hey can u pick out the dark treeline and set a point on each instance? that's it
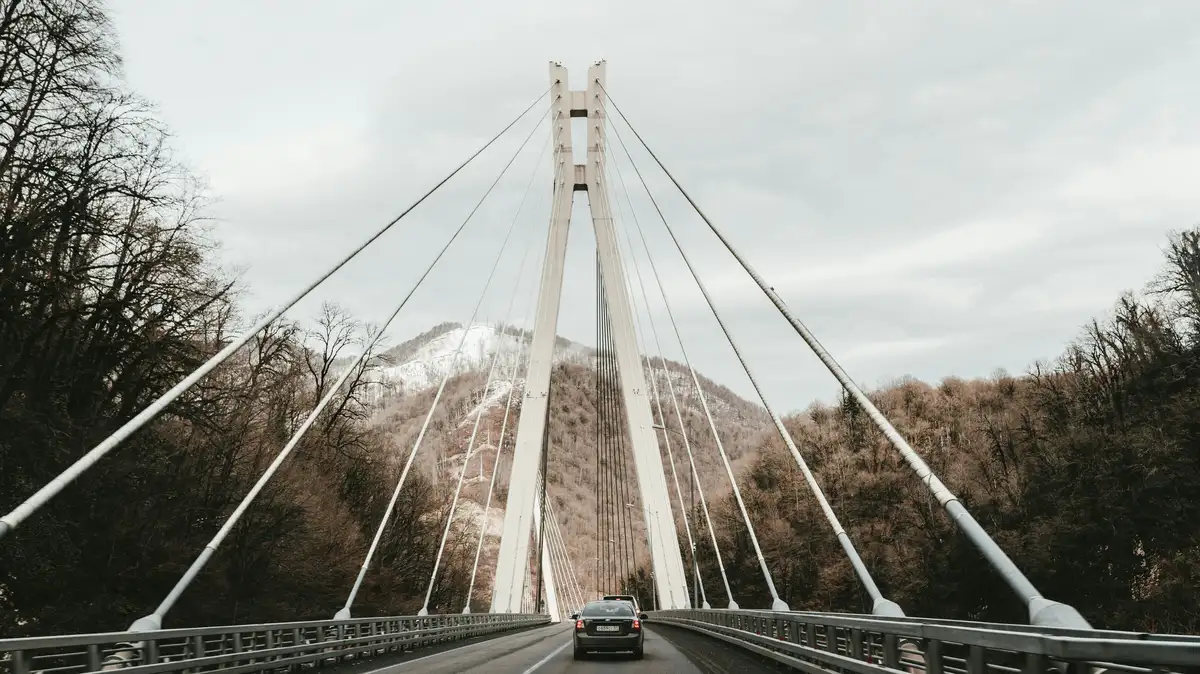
(108, 297)
(1086, 471)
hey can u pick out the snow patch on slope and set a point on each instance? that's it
(431, 362)
(426, 366)
(497, 396)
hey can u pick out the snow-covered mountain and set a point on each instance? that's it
(459, 350)
(404, 392)
(422, 362)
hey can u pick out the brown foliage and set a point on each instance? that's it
(1086, 472)
(107, 299)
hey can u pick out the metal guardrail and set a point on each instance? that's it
(846, 643)
(248, 648)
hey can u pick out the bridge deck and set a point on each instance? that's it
(547, 650)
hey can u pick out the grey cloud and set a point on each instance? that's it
(1026, 157)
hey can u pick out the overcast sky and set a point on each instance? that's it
(936, 188)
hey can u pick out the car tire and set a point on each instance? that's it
(579, 654)
(639, 653)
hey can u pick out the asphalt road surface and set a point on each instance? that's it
(547, 650)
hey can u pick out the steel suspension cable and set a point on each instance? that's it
(617, 449)
(881, 605)
(609, 461)
(606, 453)
(626, 501)
(625, 524)
(558, 559)
(679, 417)
(1042, 611)
(551, 551)
(541, 505)
(604, 420)
(572, 577)
(662, 417)
(777, 602)
(557, 534)
(486, 390)
(640, 338)
(653, 377)
(647, 363)
(600, 535)
(526, 596)
(153, 621)
(567, 575)
(17, 515)
(524, 346)
(344, 612)
(512, 387)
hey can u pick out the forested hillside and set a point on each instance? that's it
(108, 297)
(1086, 471)
(571, 441)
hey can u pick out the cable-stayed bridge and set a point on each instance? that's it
(642, 462)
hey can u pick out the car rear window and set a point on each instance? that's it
(608, 609)
(619, 597)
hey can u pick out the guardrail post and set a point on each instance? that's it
(321, 634)
(891, 651)
(933, 656)
(831, 638)
(199, 650)
(1035, 663)
(297, 640)
(854, 646)
(975, 661)
(20, 664)
(810, 634)
(93, 657)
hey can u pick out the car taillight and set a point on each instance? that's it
(637, 624)
(578, 624)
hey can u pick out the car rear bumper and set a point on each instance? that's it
(598, 642)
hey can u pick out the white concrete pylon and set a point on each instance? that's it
(669, 574)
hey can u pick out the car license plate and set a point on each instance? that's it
(608, 628)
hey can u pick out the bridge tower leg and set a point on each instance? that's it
(669, 574)
(512, 559)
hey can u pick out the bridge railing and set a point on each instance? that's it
(869, 645)
(248, 648)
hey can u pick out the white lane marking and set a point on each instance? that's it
(546, 659)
